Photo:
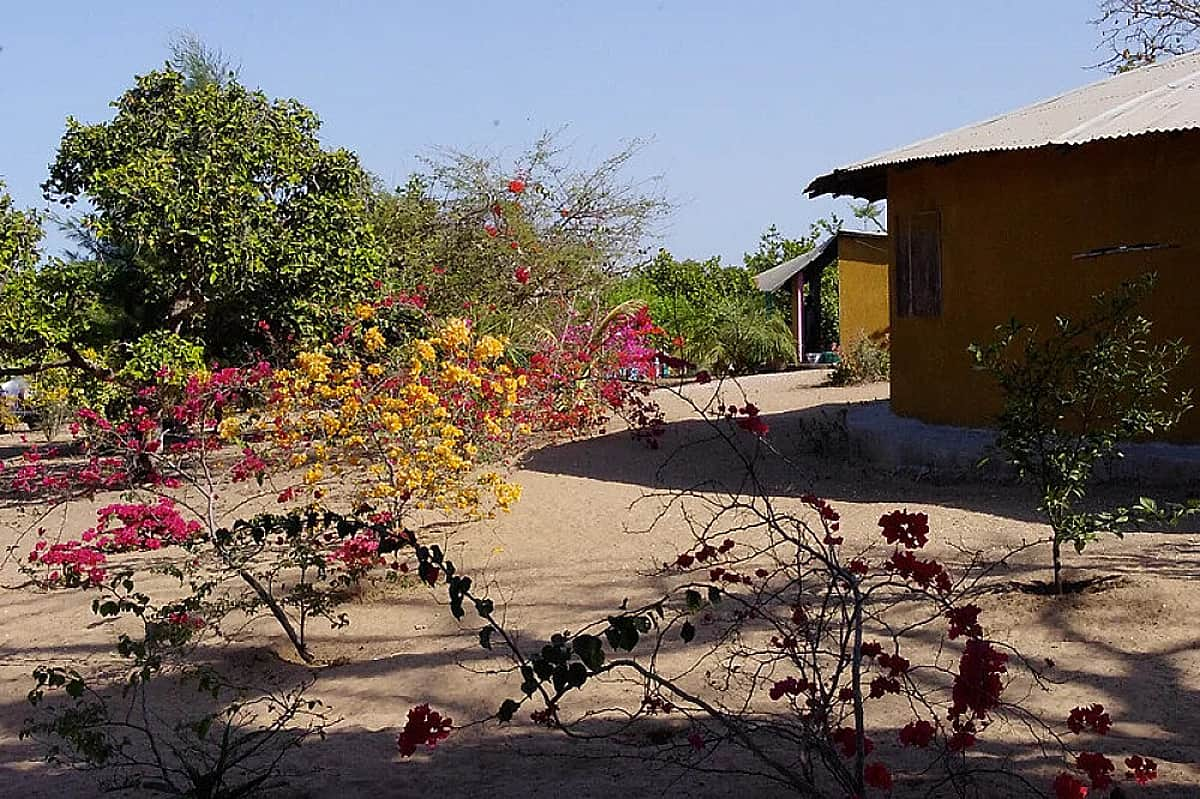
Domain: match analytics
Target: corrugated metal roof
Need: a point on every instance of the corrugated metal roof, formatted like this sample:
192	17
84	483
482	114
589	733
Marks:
1153	99
776	276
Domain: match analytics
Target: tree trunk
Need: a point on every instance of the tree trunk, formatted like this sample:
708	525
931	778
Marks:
1057	559
280	616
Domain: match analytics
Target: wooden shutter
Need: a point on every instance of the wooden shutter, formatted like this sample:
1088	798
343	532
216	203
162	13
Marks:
919	266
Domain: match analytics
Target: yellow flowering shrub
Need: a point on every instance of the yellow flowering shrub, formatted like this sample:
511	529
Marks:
410	427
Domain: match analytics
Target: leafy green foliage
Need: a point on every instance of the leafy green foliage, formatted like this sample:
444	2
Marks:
865	360
1073	396
742	335
682	294
225	742
517	244
829	302
20	235
716	315
774	248
869	213
218	207
161	351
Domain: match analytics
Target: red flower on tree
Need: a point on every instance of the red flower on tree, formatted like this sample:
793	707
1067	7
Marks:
964	621
1142	769
846	740
521	275
925	573
1092	716
1098	768
1067	787
917	733
878	776
424	726
516	185
977	686
910	529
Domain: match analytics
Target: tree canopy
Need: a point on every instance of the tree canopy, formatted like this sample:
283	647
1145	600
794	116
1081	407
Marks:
216	207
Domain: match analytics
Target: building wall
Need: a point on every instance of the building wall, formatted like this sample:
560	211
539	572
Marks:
1010	223
863	305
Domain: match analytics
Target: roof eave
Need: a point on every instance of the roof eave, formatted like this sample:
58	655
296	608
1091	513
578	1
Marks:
867	183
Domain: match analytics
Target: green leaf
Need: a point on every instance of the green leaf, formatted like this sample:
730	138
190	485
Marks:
202	727
589	650
508	708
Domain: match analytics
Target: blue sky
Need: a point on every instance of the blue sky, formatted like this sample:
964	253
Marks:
745	101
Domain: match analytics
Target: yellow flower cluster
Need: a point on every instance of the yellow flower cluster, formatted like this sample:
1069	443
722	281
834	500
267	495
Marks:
419	423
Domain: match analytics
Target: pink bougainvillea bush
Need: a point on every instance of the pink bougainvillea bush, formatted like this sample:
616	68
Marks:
274	491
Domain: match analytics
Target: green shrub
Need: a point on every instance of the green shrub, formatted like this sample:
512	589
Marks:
865	360
1071	398
741	335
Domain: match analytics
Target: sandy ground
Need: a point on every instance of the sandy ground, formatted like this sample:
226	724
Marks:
576	546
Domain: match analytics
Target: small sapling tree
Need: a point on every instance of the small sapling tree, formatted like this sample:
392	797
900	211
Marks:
1073	397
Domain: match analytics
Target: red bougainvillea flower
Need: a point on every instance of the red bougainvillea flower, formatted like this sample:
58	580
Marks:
882	686
1142	769
877	776
1067	787
846	740
977	686
516	185
1092	716
751	422
917	733
491	229
184	619
964	621
521	275
703	377
424	726
910	529
896	664
871	649
514	245
789	687
925	573
1098	768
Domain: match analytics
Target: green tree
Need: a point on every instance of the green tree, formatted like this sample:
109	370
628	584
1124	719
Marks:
20	235
869	213
49	312
774	249
216	207
683	294
200	64
1071	398
520	241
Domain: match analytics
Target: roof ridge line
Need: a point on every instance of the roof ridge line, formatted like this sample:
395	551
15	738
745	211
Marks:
1113	113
